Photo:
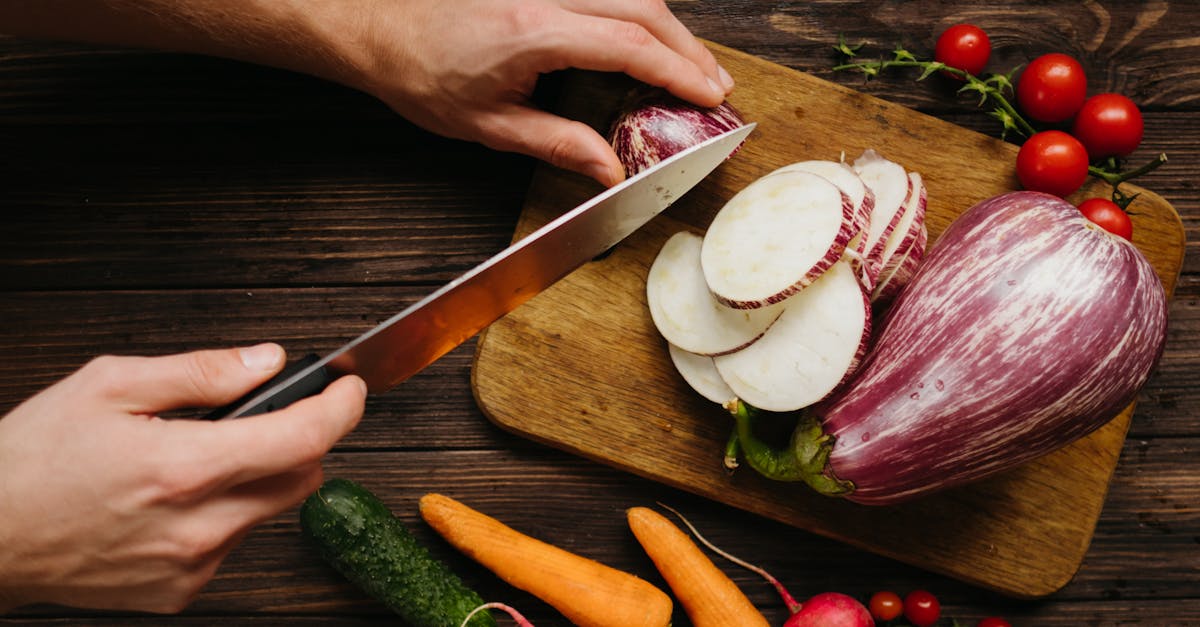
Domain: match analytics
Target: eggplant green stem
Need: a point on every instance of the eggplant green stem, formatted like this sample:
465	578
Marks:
806	457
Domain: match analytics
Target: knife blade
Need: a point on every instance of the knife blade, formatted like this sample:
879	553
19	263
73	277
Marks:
406	343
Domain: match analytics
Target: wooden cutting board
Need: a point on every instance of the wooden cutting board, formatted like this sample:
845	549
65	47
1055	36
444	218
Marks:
580	367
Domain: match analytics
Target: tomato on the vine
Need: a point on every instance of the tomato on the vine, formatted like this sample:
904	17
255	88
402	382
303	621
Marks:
885	605
1052	162
921	608
1052	87
1109	125
1108	216
993	621
964	47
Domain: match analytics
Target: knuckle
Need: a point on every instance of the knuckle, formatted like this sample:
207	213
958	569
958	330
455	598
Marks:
192	546
560	148
180	482
202	375
103	374
633	35
528	18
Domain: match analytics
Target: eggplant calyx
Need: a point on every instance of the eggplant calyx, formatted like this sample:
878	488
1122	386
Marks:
806	457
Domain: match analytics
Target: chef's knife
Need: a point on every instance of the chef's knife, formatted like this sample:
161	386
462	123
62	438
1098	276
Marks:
404	344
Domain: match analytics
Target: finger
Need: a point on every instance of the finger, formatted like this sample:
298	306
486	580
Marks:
245	449
608	45
564	143
657	18
208	378
243	506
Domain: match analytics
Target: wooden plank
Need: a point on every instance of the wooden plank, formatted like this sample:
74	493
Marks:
577	349
239	207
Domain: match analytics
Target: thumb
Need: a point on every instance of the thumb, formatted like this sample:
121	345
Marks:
564	143
205	378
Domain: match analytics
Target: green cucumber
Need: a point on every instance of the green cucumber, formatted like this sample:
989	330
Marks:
361	538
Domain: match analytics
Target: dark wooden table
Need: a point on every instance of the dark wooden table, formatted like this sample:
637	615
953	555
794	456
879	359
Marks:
158	203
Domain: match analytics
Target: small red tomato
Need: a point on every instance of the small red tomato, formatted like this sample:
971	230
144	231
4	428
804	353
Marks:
1109	125
993	621
1052	162
921	608
1052	88
964	47
886	605
1108	216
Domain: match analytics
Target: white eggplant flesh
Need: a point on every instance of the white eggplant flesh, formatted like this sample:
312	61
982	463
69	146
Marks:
861	198
906	231
1025	328
699	372
684	310
889	183
820	338
899	271
775	237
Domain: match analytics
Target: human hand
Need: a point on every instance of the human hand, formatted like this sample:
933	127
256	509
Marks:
467	69
105	505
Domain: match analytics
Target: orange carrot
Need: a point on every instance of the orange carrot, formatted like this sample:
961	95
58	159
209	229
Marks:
588	593
710	598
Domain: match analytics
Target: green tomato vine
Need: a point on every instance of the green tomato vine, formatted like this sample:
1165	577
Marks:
994	90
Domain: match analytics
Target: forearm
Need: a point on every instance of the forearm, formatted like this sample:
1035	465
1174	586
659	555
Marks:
308	36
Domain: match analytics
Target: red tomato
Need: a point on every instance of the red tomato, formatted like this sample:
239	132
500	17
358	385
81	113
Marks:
1108	216
921	608
1109	125
1052	88
993	621
1052	162
964	47
886	605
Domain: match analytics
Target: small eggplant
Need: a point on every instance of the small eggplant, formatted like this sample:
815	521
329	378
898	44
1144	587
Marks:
654	125
1025	328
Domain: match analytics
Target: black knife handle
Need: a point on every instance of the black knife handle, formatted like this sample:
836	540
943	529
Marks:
312	384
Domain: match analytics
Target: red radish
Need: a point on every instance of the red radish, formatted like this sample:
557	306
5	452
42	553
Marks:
1025	328
831	609
684	310
701	373
654	125
774	237
520	620
817	342
890	184
828	609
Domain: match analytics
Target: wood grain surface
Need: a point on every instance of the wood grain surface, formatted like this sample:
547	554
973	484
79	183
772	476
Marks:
582	368
157	202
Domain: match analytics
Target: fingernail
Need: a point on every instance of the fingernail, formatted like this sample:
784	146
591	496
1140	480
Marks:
726	79
261	358
605	174
717	89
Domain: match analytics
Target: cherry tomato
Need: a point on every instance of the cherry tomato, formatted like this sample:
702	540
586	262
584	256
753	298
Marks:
1109	125
1052	88
921	608
886	605
964	47
1052	162
993	621
1108	216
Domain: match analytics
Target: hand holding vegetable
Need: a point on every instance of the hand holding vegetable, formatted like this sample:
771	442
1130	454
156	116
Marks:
103	504
463	69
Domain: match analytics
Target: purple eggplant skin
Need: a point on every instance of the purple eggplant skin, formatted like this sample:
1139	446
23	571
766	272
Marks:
654	125
1025	328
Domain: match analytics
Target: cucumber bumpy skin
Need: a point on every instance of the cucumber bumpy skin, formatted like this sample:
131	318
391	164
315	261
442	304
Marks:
361	538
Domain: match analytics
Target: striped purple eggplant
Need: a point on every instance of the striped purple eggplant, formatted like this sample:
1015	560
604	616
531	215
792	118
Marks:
654	125
1025	328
